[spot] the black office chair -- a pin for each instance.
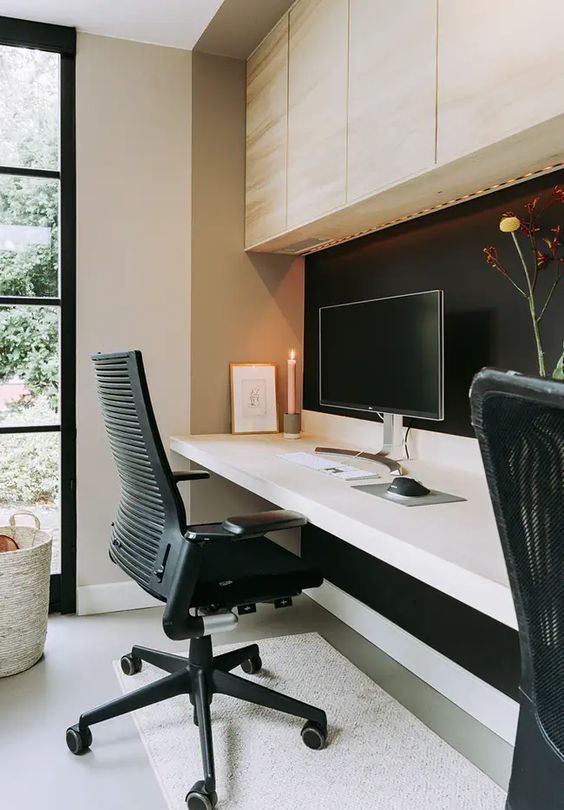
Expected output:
(519, 422)
(202, 573)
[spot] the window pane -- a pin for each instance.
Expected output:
(29, 108)
(29, 365)
(29, 480)
(29, 236)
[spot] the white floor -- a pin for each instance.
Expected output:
(76, 673)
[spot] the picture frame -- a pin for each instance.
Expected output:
(254, 403)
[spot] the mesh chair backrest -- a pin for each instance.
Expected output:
(150, 510)
(519, 422)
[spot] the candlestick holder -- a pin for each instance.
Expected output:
(292, 425)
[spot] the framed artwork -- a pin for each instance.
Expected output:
(254, 407)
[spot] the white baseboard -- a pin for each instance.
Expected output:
(488, 705)
(111, 597)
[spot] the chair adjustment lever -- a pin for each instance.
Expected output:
(285, 601)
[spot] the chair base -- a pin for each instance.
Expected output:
(200, 676)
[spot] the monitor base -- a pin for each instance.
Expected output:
(393, 446)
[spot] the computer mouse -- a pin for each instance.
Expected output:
(407, 487)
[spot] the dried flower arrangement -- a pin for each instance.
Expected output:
(544, 249)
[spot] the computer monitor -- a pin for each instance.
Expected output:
(384, 355)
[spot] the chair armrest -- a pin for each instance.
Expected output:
(260, 523)
(191, 475)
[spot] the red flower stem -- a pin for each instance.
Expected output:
(531, 300)
(506, 275)
(534, 249)
(550, 294)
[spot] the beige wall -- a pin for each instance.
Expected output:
(133, 211)
(147, 151)
(244, 307)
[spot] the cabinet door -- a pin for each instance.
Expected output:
(501, 70)
(317, 108)
(392, 92)
(267, 104)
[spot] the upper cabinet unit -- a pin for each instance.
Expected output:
(267, 115)
(501, 70)
(365, 113)
(317, 108)
(392, 92)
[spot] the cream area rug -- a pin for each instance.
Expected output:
(379, 756)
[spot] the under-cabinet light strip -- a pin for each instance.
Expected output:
(439, 206)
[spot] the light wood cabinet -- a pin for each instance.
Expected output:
(364, 113)
(392, 92)
(267, 109)
(501, 70)
(317, 108)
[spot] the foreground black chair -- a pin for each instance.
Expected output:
(201, 572)
(519, 422)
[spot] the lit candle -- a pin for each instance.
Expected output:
(292, 383)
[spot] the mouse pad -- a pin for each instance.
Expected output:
(434, 496)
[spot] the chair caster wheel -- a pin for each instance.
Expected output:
(314, 735)
(252, 665)
(199, 799)
(78, 739)
(130, 664)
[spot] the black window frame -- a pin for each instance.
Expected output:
(60, 40)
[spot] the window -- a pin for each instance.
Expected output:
(37, 287)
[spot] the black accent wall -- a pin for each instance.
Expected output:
(483, 646)
(486, 320)
(486, 324)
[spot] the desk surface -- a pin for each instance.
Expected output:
(452, 547)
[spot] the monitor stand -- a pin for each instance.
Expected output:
(392, 449)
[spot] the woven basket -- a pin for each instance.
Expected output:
(24, 596)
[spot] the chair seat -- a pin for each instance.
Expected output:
(236, 572)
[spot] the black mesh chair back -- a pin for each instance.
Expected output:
(519, 422)
(150, 520)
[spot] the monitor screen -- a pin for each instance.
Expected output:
(384, 355)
